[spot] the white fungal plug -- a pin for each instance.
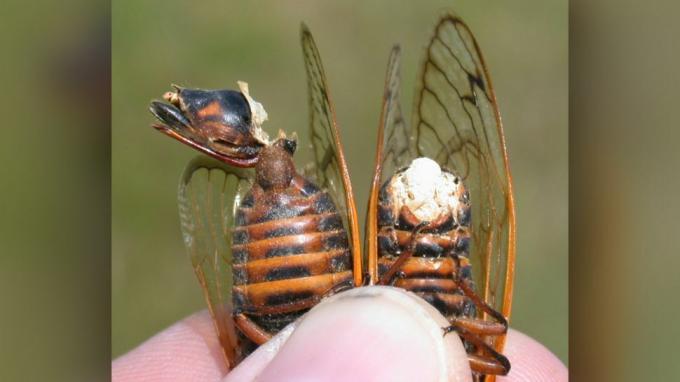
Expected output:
(426, 190)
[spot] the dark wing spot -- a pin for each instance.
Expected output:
(476, 80)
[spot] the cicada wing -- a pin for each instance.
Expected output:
(457, 123)
(394, 151)
(209, 192)
(330, 167)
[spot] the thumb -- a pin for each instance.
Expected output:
(368, 334)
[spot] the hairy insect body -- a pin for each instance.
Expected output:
(440, 257)
(290, 247)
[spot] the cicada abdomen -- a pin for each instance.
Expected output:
(435, 205)
(290, 248)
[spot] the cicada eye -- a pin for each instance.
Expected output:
(290, 145)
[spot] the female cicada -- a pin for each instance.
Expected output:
(441, 217)
(266, 242)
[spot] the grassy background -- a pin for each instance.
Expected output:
(213, 44)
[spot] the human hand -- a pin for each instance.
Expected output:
(365, 334)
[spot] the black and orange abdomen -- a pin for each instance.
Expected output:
(440, 256)
(290, 249)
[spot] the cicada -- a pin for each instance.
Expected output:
(266, 242)
(441, 219)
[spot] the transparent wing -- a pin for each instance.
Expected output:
(209, 192)
(330, 167)
(456, 122)
(394, 151)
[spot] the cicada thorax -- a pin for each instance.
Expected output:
(440, 257)
(290, 247)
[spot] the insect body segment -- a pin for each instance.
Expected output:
(289, 245)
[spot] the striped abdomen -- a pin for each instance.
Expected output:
(289, 249)
(440, 256)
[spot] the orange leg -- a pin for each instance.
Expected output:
(490, 361)
(480, 326)
(253, 331)
(472, 330)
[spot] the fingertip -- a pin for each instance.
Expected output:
(531, 361)
(187, 350)
(369, 334)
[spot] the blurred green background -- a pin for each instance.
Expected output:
(55, 191)
(212, 44)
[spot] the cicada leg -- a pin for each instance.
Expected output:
(490, 362)
(388, 276)
(251, 330)
(473, 330)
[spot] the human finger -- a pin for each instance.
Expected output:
(367, 334)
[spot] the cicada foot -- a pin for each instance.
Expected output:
(487, 360)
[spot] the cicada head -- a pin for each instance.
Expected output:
(225, 124)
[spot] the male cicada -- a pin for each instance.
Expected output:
(441, 217)
(266, 242)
